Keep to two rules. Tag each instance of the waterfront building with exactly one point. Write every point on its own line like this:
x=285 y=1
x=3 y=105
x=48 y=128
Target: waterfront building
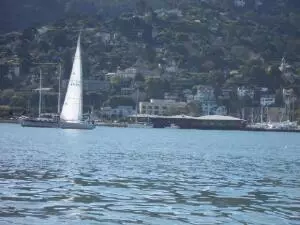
x=161 y=107
x=267 y=100
x=127 y=91
x=169 y=96
x=206 y=96
x=118 y=112
x=122 y=74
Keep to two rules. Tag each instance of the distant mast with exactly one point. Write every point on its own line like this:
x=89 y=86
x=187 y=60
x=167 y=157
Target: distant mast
x=59 y=91
x=40 y=94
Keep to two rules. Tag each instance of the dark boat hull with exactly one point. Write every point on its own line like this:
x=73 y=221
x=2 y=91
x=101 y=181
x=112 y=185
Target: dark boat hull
x=39 y=123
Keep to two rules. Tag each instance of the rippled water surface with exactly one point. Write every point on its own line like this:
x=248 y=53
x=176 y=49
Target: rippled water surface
x=148 y=176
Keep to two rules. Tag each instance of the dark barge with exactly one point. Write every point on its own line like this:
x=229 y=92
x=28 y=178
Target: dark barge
x=210 y=122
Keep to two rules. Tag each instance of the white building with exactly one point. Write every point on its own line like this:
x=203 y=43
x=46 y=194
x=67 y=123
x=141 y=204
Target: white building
x=127 y=91
x=243 y=91
x=189 y=97
x=162 y=13
x=120 y=111
x=161 y=107
x=204 y=93
x=208 y=107
x=267 y=100
x=123 y=74
x=172 y=68
x=106 y=37
x=239 y=3
x=206 y=96
x=221 y=110
x=169 y=96
x=226 y=93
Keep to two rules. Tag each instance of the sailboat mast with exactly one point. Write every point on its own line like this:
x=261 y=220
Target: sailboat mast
x=261 y=114
x=58 y=98
x=137 y=102
x=80 y=76
x=40 y=94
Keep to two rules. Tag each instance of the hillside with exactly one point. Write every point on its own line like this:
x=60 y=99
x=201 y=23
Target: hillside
x=219 y=43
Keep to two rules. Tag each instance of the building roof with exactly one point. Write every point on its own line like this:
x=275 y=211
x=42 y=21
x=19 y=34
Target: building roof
x=42 y=89
x=208 y=117
x=218 y=117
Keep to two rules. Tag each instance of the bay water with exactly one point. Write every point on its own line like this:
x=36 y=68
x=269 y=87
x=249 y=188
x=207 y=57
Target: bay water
x=148 y=176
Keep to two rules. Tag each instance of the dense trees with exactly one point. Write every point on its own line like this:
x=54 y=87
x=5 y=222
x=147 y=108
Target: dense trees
x=206 y=41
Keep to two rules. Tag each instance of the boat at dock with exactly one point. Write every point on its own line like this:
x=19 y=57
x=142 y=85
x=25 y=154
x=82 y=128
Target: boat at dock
x=44 y=120
x=275 y=126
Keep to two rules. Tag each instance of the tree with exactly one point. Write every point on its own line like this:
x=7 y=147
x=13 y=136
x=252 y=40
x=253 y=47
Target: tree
x=18 y=101
x=147 y=33
x=275 y=76
x=4 y=81
x=4 y=111
x=67 y=63
x=116 y=101
x=44 y=46
x=29 y=33
x=182 y=37
x=155 y=88
x=194 y=108
x=60 y=39
x=150 y=54
x=141 y=7
x=139 y=78
x=6 y=96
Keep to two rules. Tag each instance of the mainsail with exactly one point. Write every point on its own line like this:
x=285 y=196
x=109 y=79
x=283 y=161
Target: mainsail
x=72 y=107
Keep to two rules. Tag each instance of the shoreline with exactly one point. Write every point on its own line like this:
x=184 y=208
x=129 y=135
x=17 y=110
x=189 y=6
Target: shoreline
x=123 y=125
x=9 y=121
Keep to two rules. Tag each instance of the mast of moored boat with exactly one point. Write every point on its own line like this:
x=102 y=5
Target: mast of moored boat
x=137 y=103
x=59 y=93
x=40 y=94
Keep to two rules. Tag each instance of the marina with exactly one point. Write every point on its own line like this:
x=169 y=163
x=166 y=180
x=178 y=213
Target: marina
x=175 y=122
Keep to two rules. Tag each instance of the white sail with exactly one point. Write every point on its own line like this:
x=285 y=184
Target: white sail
x=72 y=107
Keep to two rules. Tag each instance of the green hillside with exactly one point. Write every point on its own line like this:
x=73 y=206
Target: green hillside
x=211 y=42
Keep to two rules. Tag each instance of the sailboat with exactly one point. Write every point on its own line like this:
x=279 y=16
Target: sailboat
x=43 y=120
x=71 y=115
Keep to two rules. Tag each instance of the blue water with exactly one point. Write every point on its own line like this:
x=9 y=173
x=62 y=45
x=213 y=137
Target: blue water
x=148 y=176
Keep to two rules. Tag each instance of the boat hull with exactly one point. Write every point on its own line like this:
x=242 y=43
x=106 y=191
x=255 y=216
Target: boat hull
x=39 y=123
x=77 y=126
